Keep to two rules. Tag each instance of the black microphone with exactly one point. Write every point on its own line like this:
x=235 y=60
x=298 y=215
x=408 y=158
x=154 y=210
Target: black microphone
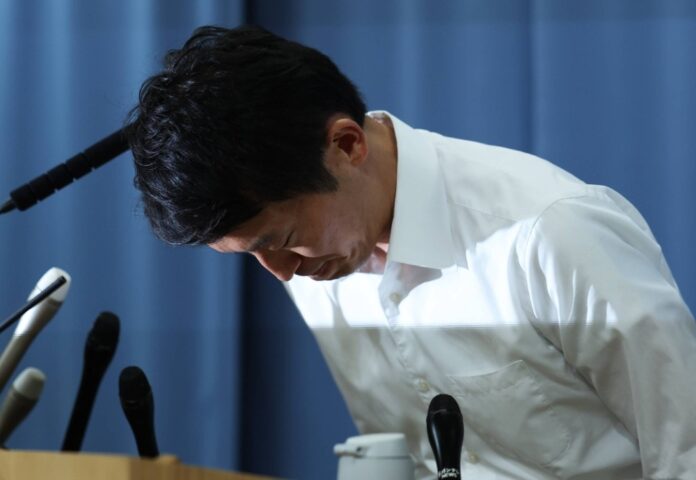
x=75 y=167
x=446 y=435
x=139 y=408
x=99 y=350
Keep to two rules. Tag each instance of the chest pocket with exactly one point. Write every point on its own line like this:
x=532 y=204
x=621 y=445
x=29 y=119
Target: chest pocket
x=509 y=409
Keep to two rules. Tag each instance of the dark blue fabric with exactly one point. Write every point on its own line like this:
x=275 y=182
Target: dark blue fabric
x=603 y=89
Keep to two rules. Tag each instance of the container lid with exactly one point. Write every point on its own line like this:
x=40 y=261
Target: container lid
x=379 y=445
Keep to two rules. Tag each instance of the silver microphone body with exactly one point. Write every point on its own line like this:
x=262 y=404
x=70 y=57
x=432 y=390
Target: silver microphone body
x=32 y=322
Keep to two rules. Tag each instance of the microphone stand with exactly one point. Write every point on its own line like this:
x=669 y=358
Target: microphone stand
x=75 y=167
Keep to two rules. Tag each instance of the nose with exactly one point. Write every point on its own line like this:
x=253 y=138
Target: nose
x=282 y=263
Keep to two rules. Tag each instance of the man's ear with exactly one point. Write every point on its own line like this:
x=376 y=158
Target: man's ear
x=347 y=137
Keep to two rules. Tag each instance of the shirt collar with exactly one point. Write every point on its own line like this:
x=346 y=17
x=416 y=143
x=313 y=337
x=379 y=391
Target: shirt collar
x=420 y=231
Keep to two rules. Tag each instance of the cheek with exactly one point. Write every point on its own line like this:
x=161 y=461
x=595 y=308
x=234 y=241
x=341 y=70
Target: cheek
x=324 y=243
x=350 y=233
x=328 y=241
x=338 y=233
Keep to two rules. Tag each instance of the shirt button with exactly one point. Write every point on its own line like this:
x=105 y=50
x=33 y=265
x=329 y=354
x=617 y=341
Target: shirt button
x=395 y=297
x=472 y=457
x=422 y=385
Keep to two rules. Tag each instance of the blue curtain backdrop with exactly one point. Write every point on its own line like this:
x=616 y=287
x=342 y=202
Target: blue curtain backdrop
x=70 y=70
x=601 y=88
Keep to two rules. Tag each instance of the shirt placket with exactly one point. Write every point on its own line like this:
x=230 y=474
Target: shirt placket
x=392 y=291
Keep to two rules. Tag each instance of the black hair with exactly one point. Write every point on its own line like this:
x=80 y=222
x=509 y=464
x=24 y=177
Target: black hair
x=237 y=119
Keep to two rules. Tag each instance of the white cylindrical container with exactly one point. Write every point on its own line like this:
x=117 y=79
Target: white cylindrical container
x=378 y=456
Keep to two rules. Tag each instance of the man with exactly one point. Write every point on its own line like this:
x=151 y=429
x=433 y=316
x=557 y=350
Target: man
x=426 y=264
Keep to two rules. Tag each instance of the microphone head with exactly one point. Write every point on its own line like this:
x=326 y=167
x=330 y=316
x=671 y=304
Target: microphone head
x=20 y=400
x=30 y=383
x=133 y=386
x=105 y=330
x=48 y=278
x=36 y=318
x=102 y=340
x=443 y=403
x=445 y=427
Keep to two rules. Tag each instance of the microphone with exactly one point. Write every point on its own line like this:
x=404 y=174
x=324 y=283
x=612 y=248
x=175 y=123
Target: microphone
x=99 y=350
x=32 y=322
x=75 y=167
x=138 y=406
x=32 y=302
x=21 y=398
x=446 y=435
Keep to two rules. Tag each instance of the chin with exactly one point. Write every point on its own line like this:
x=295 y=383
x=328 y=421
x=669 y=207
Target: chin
x=342 y=270
x=349 y=265
x=340 y=273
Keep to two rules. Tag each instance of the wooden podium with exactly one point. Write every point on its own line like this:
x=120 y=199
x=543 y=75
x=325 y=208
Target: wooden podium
x=33 y=465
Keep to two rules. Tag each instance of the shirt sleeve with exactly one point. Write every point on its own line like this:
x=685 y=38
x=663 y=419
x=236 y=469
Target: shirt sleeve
x=602 y=293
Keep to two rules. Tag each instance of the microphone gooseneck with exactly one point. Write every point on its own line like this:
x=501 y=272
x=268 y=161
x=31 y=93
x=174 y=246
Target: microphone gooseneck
x=139 y=407
x=75 y=167
x=20 y=400
x=446 y=435
x=99 y=350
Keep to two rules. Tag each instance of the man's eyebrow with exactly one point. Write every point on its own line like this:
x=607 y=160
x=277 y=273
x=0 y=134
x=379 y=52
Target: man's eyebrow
x=260 y=242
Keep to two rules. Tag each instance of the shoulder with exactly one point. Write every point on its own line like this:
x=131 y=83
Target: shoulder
x=593 y=243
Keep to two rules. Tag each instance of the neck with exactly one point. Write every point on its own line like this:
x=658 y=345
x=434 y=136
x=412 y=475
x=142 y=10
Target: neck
x=383 y=157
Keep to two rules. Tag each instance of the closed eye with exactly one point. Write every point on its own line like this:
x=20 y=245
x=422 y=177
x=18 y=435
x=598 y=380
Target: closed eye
x=287 y=240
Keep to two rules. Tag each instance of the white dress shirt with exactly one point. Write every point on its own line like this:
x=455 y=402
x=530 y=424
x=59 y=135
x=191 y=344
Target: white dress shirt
x=542 y=304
